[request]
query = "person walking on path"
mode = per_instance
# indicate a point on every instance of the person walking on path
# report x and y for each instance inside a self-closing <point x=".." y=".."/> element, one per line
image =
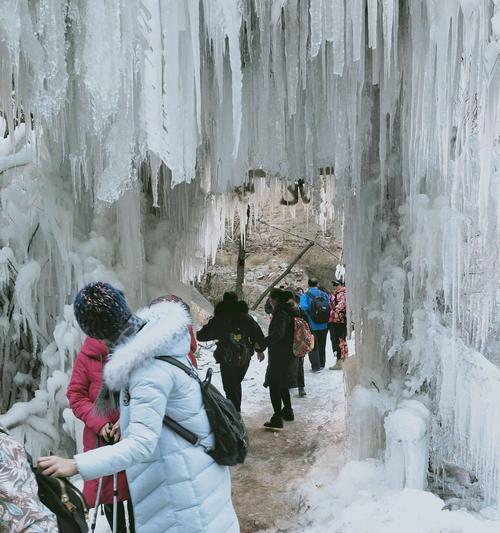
<point x="338" y="323"/>
<point x="316" y="304"/>
<point x="175" y="486"/>
<point x="21" y="510"/>
<point x="282" y="365"/>
<point x="84" y="386"/>
<point x="237" y="334"/>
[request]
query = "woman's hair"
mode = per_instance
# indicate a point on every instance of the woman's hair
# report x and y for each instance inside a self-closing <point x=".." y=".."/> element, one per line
<point x="171" y="298"/>
<point x="230" y="296"/>
<point x="281" y="296"/>
<point x="293" y="294"/>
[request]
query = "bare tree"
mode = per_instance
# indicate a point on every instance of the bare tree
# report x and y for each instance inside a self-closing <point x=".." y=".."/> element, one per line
<point x="242" y="256"/>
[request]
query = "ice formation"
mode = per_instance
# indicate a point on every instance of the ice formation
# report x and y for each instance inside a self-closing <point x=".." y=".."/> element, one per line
<point x="131" y="126"/>
<point x="407" y="445"/>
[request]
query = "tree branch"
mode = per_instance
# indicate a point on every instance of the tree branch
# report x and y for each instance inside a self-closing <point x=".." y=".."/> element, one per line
<point x="308" y="246"/>
<point x="300" y="237"/>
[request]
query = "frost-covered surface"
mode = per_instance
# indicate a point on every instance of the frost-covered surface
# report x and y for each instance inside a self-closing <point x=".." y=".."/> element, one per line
<point x="421" y="235"/>
<point x="120" y="100"/>
<point x="359" y="501"/>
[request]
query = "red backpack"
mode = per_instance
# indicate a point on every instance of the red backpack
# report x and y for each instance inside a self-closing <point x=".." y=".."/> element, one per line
<point x="303" y="339"/>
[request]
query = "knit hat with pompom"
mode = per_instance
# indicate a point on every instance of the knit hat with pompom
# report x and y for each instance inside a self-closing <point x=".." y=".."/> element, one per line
<point x="101" y="310"/>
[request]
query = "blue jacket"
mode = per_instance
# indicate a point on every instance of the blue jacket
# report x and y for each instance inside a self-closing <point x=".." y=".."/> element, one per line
<point x="305" y="305"/>
<point x="175" y="487"/>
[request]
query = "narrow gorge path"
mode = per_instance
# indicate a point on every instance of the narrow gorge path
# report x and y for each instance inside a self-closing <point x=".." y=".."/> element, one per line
<point x="267" y="488"/>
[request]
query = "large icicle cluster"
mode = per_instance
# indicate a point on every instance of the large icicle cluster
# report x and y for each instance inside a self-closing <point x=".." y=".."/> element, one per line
<point x="423" y="279"/>
<point x="108" y="105"/>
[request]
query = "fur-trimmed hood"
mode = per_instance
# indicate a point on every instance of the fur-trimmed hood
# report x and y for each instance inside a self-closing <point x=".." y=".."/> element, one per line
<point x="165" y="333"/>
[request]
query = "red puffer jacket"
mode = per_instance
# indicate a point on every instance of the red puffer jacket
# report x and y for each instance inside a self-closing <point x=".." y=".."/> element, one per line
<point x="82" y="391"/>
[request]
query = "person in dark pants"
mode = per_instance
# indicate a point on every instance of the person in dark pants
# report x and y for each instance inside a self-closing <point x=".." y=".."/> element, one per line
<point x="338" y="322"/>
<point x="338" y="332"/>
<point x="236" y="333"/>
<point x="320" y="336"/>
<point x="301" y="382"/>
<point x="282" y="365"/>
<point x="232" y="378"/>
<point x="319" y="329"/>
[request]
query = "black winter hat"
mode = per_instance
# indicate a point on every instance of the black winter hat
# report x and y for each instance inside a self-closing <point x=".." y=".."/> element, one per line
<point x="101" y="310"/>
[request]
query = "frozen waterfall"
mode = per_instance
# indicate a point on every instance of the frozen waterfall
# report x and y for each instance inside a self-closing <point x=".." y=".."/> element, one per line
<point x="130" y="125"/>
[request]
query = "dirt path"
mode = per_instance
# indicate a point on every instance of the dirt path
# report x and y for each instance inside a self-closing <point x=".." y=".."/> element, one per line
<point x="266" y="489"/>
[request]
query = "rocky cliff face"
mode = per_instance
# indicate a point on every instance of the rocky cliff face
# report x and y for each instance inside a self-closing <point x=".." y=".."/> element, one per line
<point x="276" y="236"/>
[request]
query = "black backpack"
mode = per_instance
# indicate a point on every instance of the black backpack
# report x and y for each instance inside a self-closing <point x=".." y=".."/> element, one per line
<point x="231" y="438"/>
<point x="319" y="310"/>
<point x="236" y="348"/>
<point x="65" y="501"/>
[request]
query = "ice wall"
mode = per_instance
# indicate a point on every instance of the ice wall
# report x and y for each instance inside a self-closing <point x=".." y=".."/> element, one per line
<point x="109" y="105"/>
<point x="422" y="233"/>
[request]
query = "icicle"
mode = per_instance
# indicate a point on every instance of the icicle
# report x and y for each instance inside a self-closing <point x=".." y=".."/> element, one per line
<point x="372" y="7"/>
<point x="407" y="452"/>
<point x="357" y="17"/>
<point x="387" y="29"/>
<point x="153" y="72"/>
<point x="7" y="261"/>
<point x="338" y="37"/>
<point x="316" y="26"/>
<point x="24" y="290"/>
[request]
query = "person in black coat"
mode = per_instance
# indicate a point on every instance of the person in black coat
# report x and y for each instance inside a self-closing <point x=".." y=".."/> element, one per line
<point x="282" y="366"/>
<point x="236" y="333"/>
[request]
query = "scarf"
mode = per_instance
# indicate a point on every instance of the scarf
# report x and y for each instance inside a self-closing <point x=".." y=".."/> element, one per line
<point x="109" y="401"/>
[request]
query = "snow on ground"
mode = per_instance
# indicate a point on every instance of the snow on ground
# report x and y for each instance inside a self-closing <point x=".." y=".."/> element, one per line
<point x="357" y="501"/>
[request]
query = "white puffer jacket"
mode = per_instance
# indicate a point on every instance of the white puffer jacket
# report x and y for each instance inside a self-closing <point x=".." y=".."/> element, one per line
<point x="175" y="487"/>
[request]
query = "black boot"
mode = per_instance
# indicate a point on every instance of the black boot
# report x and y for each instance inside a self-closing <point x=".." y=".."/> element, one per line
<point x="288" y="415"/>
<point x="276" y="422"/>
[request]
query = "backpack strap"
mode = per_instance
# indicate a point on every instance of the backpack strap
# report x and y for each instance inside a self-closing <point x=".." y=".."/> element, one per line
<point x="183" y="432"/>
<point x="189" y="370"/>
<point x="311" y="297"/>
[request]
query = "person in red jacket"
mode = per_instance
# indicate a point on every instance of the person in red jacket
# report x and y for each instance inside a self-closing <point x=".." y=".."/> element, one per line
<point x="82" y="392"/>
